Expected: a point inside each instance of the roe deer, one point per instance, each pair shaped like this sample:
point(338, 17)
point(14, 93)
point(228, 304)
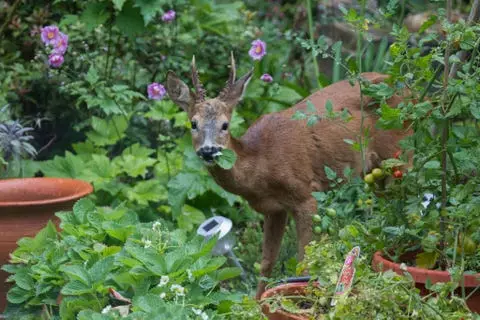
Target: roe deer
point(280, 161)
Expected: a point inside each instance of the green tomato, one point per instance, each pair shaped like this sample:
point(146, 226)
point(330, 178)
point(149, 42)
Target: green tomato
point(369, 178)
point(331, 230)
point(377, 173)
point(331, 212)
point(317, 230)
point(317, 218)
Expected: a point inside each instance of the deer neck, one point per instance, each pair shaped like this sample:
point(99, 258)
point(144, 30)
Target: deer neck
point(235, 180)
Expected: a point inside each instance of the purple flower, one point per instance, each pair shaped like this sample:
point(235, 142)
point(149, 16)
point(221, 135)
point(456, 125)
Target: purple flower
point(266, 78)
point(55, 60)
point(156, 91)
point(61, 44)
point(49, 35)
point(168, 16)
point(258, 50)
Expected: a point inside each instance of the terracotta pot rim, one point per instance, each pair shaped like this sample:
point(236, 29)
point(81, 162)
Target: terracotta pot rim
point(79, 189)
point(283, 287)
point(288, 287)
point(471, 280)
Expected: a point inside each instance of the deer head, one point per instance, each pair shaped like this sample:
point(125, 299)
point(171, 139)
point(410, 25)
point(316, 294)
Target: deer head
point(209, 118)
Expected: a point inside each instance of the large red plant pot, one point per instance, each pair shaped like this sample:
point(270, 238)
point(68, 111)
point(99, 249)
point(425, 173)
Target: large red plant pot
point(420, 276)
point(289, 289)
point(26, 205)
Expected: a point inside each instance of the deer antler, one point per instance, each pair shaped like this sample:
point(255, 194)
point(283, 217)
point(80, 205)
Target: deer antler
point(231, 78)
point(199, 90)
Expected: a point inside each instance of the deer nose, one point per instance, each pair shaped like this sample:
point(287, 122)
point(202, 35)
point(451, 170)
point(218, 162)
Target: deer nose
point(207, 152)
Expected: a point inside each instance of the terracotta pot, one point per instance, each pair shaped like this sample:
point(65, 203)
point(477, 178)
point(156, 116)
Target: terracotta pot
point(26, 205)
point(289, 289)
point(420, 275)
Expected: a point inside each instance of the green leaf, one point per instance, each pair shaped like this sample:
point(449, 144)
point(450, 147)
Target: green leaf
point(390, 118)
point(95, 14)
point(92, 75)
point(23, 279)
point(311, 107)
point(118, 4)
point(426, 260)
point(227, 159)
point(130, 21)
point(434, 164)
point(146, 191)
point(75, 288)
point(190, 217)
point(299, 115)
point(107, 132)
point(82, 208)
point(18, 295)
point(70, 166)
point(100, 269)
point(312, 120)
point(331, 175)
point(149, 8)
point(228, 273)
point(76, 272)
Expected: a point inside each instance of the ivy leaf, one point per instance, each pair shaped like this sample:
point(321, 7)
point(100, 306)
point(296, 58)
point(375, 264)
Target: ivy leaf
point(95, 14)
point(227, 159)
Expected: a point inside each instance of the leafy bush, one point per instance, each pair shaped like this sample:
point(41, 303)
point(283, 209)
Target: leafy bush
point(106, 257)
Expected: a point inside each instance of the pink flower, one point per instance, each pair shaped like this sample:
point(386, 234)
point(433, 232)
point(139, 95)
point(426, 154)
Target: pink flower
point(156, 91)
point(61, 45)
point(258, 50)
point(168, 16)
point(266, 78)
point(49, 35)
point(55, 60)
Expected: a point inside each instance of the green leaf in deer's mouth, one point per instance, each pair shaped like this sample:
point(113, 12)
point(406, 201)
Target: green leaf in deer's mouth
point(226, 159)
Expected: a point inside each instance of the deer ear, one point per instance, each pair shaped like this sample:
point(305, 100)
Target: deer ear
point(178, 91)
point(233, 94)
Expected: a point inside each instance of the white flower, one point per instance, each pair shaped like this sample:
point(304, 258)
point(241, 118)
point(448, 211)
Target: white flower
point(204, 316)
point(163, 295)
point(163, 281)
point(147, 243)
point(107, 309)
point(178, 289)
point(197, 311)
point(403, 267)
point(156, 225)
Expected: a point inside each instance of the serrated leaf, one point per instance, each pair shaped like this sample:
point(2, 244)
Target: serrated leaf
point(107, 132)
point(228, 273)
point(146, 191)
point(390, 118)
point(433, 164)
point(227, 159)
point(311, 107)
point(92, 75)
point(23, 279)
point(149, 8)
point(76, 272)
point(190, 217)
point(95, 13)
point(118, 4)
point(331, 175)
point(75, 288)
point(299, 115)
point(18, 295)
point(130, 21)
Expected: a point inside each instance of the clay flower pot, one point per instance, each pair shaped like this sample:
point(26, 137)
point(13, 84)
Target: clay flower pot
point(289, 289)
point(420, 276)
point(26, 205)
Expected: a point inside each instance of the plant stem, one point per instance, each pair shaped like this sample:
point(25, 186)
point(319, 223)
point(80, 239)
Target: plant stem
point(310, 30)
point(445, 133)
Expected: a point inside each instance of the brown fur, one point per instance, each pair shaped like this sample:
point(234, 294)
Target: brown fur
point(281, 161)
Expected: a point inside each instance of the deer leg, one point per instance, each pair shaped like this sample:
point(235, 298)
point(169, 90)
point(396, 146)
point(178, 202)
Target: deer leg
point(273, 230)
point(303, 222)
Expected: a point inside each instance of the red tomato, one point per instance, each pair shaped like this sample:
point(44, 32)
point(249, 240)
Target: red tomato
point(397, 174)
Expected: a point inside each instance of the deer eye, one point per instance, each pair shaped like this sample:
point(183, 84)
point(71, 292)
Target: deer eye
point(194, 125)
point(225, 126)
